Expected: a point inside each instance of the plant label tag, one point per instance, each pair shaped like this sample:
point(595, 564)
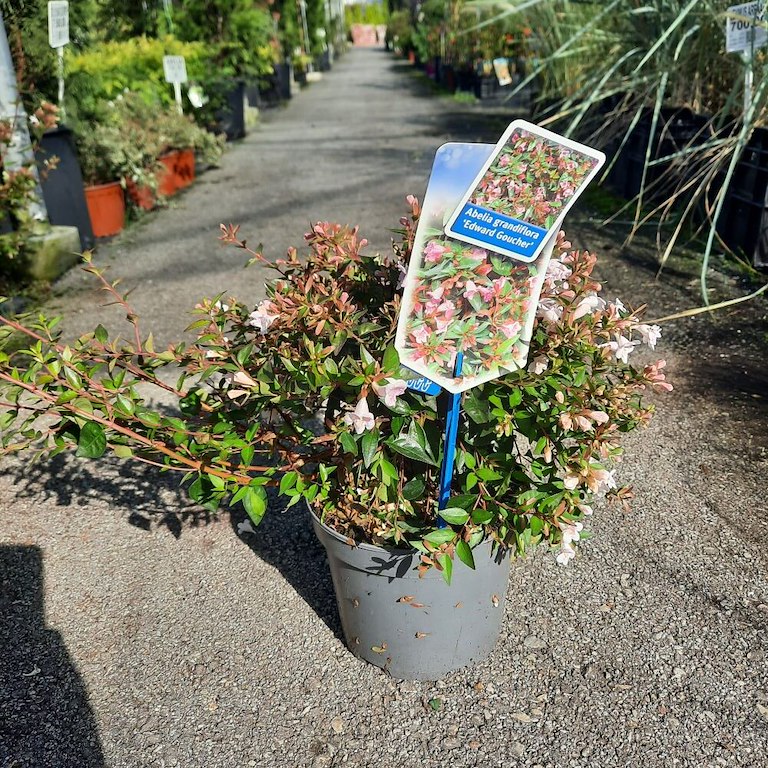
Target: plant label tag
point(460, 298)
point(175, 69)
point(741, 31)
point(58, 23)
point(521, 194)
point(423, 385)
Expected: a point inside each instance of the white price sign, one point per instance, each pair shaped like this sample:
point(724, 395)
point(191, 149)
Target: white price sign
point(741, 32)
point(58, 23)
point(175, 69)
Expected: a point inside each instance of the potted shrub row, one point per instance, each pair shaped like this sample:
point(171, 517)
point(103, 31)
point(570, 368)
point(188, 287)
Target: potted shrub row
point(143, 150)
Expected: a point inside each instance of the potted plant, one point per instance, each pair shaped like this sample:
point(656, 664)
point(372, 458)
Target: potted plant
point(304, 393)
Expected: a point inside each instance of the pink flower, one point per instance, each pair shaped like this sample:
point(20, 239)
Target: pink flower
point(262, 317)
point(361, 419)
point(565, 555)
point(550, 311)
point(421, 335)
point(511, 329)
point(654, 376)
point(434, 251)
point(390, 391)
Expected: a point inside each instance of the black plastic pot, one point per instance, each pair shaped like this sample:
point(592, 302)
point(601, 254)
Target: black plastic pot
point(63, 186)
point(231, 117)
point(743, 222)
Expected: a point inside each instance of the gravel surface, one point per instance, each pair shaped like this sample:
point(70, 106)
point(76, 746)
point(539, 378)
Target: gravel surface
point(137, 631)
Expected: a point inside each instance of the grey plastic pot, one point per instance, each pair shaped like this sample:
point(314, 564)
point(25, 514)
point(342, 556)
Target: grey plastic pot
point(415, 628)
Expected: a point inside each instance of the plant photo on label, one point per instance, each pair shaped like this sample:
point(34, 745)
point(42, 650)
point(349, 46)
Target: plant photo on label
point(532, 179)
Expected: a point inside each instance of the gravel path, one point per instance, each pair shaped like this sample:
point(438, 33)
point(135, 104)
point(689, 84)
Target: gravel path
point(137, 632)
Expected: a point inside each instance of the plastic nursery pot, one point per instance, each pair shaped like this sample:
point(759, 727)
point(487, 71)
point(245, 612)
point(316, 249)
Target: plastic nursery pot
point(141, 196)
point(167, 183)
point(184, 168)
point(415, 628)
point(106, 208)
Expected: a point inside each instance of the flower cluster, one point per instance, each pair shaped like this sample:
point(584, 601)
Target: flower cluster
point(532, 179)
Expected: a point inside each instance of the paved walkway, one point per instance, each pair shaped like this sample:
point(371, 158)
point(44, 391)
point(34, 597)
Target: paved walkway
point(137, 632)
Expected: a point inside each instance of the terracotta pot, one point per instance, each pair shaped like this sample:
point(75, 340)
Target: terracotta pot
point(185, 168)
point(106, 208)
point(178, 171)
point(141, 196)
point(166, 177)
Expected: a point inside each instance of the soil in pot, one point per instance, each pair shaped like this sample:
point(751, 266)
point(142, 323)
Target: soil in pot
point(415, 628)
point(106, 208)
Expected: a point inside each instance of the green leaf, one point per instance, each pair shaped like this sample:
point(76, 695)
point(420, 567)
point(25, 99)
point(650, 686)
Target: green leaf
point(348, 443)
point(454, 515)
point(246, 455)
point(370, 444)
point(288, 481)
point(447, 567)
point(464, 551)
point(190, 404)
point(122, 451)
point(476, 408)
point(391, 360)
point(101, 334)
point(408, 447)
point(255, 503)
point(414, 489)
point(440, 536)
point(482, 516)
point(92, 442)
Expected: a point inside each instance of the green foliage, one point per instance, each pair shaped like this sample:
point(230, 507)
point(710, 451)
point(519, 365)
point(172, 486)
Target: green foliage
point(608, 66)
point(240, 35)
point(366, 13)
point(107, 70)
point(304, 394)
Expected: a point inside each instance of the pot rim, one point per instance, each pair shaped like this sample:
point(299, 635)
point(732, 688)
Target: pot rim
point(394, 551)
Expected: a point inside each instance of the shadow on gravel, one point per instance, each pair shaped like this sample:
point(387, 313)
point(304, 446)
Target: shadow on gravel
point(286, 541)
point(45, 717)
point(148, 498)
point(143, 494)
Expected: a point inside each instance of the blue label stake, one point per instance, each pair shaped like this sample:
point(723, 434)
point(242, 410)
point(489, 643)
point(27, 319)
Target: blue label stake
point(449, 453)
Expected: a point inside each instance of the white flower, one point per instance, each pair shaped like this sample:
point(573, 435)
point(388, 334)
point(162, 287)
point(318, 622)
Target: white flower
point(390, 391)
point(550, 311)
point(262, 318)
point(220, 307)
point(585, 509)
point(538, 365)
point(589, 304)
point(619, 304)
point(650, 334)
point(566, 554)
point(621, 347)
point(361, 419)
point(571, 532)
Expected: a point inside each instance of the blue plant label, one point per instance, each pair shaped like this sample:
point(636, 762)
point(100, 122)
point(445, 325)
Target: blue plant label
point(523, 191)
point(424, 385)
point(498, 232)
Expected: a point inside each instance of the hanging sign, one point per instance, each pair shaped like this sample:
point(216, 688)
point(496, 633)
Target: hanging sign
point(741, 31)
point(523, 191)
point(175, 69)
point(58, 23)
